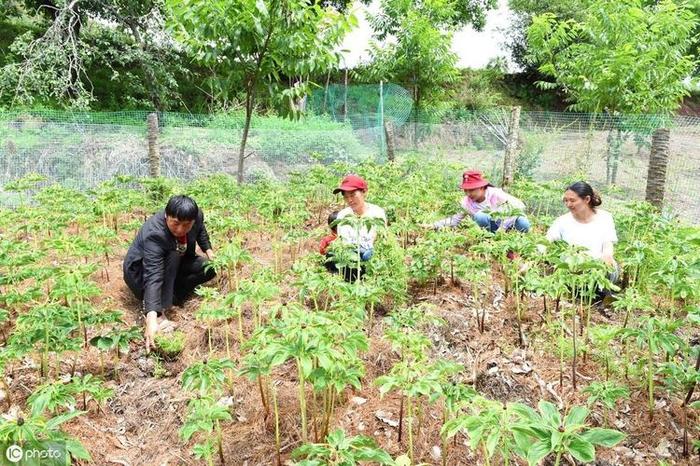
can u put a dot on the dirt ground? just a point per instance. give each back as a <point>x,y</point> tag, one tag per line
<point>140,425</point>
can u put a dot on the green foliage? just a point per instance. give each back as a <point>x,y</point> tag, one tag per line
<point>38,432</point>
<point>421,57</point>
<point>621,57</point>
<point>170,346</point>
<point>340,450</point>
<point>545,432</point>
<point>206,377</point>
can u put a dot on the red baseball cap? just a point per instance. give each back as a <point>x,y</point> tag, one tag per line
<point>473,179</point>
<point>351,183</point>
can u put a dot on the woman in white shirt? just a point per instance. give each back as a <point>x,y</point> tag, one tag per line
<point>354,189</point>
<point>586,225</point>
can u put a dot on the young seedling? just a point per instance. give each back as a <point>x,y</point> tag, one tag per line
<point>170,346</point>
<point>489,426</point>
<point>545,432</point>
<point>652,336</point>
<point>207,377</point>
<point>340,450</point>
<point>214,310</point>
<point>227,262</point>
<point>38,432</point>
<point>602,338</point>
<point>204,415</point>
<point>88,385</point>
<point>681,377</point>
<point>48,329</point>
<point>74,288</point>
<point>118,340</point>
<point>607,394</point>
<point>51,397</point>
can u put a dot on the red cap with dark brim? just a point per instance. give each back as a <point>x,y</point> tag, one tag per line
<point>351,183</point>
<point>473,179</point>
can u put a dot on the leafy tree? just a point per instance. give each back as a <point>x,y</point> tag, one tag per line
<point>523,12</point>
<point>72,53</point>
<point>420,57</point>
<point>256,43</point>
<point>622,58</point>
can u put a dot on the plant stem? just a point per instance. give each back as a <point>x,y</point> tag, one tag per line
<point>401,418</point>
<point>650,380</point>
<point>277,425</point>
<point>410,429</point>
<point>487,460</point>
<point>302,401</point>
<point>573,340</point>
<point>558,459</point>
<point>220,443</point>
<point>262,396</point>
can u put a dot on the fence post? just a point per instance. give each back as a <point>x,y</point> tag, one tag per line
<point>389,134</point>
<point>658,162</point>
<point>153,153</point>
<point>511,146</point>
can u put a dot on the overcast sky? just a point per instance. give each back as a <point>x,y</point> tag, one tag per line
<point>474,49</point>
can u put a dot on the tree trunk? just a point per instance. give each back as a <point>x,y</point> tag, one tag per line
<point>658,163</point>
<point>244,138</point>
<point>511,146</point>
<point>153,152</point>
<point>345,98</point>
<point>325,94</point>
<point>614,148</point>
<point>389,134</point>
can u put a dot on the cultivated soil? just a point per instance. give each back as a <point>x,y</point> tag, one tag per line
<point>140,425</point>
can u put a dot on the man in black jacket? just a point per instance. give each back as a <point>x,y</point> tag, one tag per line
<point>161,267</point>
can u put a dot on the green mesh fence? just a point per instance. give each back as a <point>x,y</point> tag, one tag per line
<point>82,149</point>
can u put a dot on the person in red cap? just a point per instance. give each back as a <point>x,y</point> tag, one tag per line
<point>481,197</point>
<point>354,189</point>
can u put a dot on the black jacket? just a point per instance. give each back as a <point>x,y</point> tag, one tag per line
<point>152,245</point>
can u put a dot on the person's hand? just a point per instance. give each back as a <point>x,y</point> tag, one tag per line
<point>427,226</point>
<point>608,259</point>
<point>210,254</point>
<point>151,329</point>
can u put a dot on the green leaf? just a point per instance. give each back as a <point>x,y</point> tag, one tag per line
<point>604,437</point>
<point>577,416</point>
<point>550,413</point>
<point>538,451</point>
<point>581,450</point>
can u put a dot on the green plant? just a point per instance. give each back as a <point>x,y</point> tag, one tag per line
<point>607,393</point>
<point>545,432</point>
<point>50,397</point>
<point>204,415</point>
<point>652,336</point>
<point>206,377</point>
<point>228,260</point>
<point>48,329</point>
<point>490,426</point>
<point>340,450</point>
<point>170,346</point>
<point>41,433</point>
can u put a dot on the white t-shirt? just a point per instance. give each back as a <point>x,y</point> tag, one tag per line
<point>366,237</point>
<point>592,235</point>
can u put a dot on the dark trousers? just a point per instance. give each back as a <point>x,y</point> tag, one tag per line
<point>181,275</point>
<point>349,273</point>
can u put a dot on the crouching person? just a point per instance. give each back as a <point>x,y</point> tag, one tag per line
<point>362,234</point>
<point>161,267</point>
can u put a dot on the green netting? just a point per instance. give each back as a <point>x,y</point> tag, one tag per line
<point>82,149</point>
<point>363,105</point>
